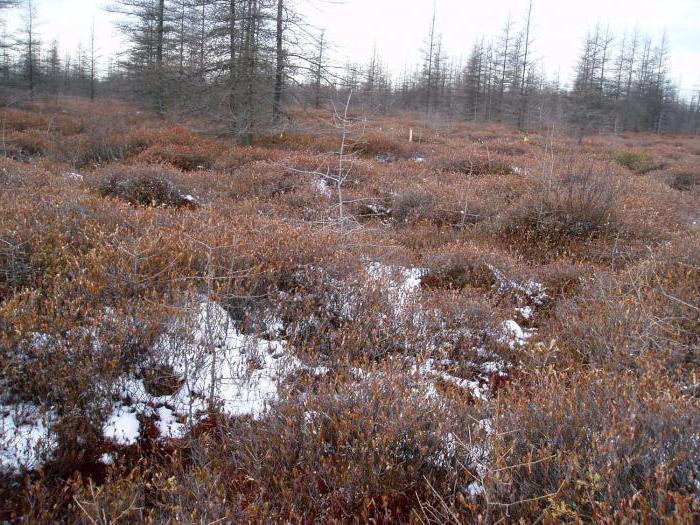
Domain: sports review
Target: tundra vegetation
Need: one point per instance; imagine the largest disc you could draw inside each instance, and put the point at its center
(240, 286)
(492, 330)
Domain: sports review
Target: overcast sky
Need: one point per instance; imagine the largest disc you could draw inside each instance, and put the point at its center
(399, 27)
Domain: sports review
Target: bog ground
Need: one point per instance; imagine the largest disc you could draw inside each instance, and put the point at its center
(478, 325)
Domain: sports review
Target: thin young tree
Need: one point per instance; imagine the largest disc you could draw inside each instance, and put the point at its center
(93, 61)
(279, 61)
(429, 63)
(29, 41)
(522, 113)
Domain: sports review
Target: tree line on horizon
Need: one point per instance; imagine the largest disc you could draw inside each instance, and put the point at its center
(241, 62)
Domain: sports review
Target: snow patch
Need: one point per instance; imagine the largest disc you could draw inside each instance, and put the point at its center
(25, 438)
(219, 367)
(514, 335)
(525, 312)
(122, 426)
(322, 186)
(531, 291)
(168, 424)
(401, 284)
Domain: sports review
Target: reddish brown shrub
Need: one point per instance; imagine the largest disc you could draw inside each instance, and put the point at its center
(235, 158)
(412, 206)
(371, 450)
(477, 166)
(458, 272)
(186, 158)
(30, 142)
(685, 181)
(575, 454)
(579, 202)
(144, 186)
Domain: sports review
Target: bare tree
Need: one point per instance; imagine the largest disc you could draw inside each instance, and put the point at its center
(318, 69)
(429, 63)
(30, 44)
(93, 61)
(279, 61)
(522, 114)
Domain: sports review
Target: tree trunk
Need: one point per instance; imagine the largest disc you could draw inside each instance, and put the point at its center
(279, 71)
(159, 33)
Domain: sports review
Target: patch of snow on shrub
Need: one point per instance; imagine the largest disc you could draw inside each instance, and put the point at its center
(168, 424)
(401, 284)
(122, 426)
(530, 291)
(525, 312)
(322, 186)
(218, 366)
(25, 438)
(514, 335)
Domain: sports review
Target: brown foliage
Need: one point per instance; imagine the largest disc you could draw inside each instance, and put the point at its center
(592, 416)
(146, 186)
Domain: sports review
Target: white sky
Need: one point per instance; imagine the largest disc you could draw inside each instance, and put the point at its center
(399, 27)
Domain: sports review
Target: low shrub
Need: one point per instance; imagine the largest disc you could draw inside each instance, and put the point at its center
(458, 272)
(238, 157)
(373, 209)
(412, 206)
(581, 202)
(21, 120)
(595, 446)
(31, 142)
(477, 166)
(382, 147)
(374, 450)
(45, 119)
(262, 180)
(325, 142)
(561, 280)
(15, 268)
(183, 157)
(143, 186)
(638, 162)
(685, 181)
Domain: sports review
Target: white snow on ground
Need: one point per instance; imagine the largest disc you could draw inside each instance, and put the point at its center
(25, 439)
(122, 427)
(73, 176)
(400, 283)
(322, 186)
(475, 489)
(525, 312)
(242, 372)
(219, 366)
(514, 335)
(530, 291)
(168, 425)
(431, 369)
(239, 374)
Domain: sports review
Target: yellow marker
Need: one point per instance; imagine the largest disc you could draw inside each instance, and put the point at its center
(525, 139)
